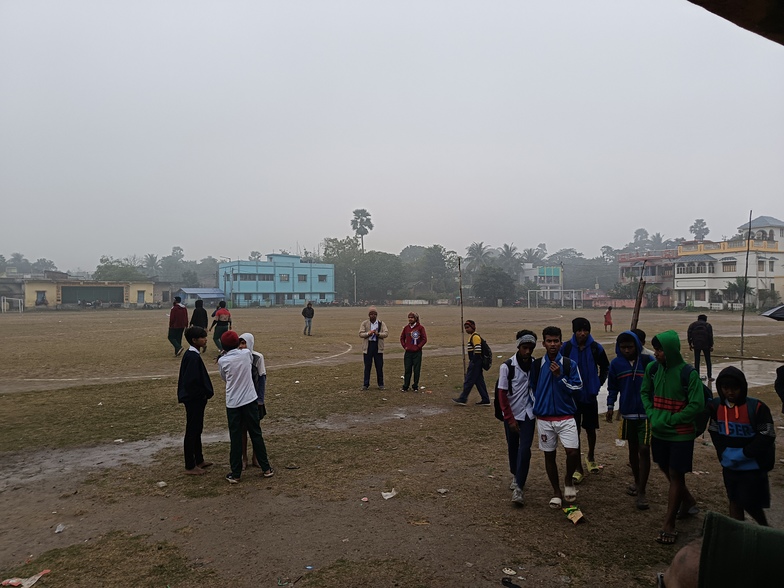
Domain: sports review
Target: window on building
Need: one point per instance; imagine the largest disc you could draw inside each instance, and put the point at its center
(283, 277)
(266, 277)
(700, 268)
(699, 295)
(302, 297)
(265, 296)
(761, 266)
(248, 296)
(728, 266)
(781, 232)
(247, 277)
(302, 277)
(711, 268)
(680, 268)
(322, 296)
(322, 278)
(289, 296)
(234, 277)
(771, 267)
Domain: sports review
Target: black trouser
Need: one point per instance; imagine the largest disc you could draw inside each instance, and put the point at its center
(372, 355)
(175, 338)
(475, 377)
(247, 416)
(708, 366)
(194, 423)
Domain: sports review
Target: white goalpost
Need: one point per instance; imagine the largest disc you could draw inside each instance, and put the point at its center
(8, 304)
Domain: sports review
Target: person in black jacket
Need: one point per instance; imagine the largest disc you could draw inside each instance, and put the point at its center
(308, 313)
(700, 336)
(194, 388)
(199, 318)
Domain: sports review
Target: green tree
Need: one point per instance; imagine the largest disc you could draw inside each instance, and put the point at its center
(733, 291)
(21, 263)
(768, 298)
(641, 237)
(190, 279)
(510, 259)
(624, 291)
(435, 267)
(207, 270)
(42, 265)
(534, 256)
(699, 229)
(254, 256)
(172, 266)
(344, 254)
(379, 274)
(3, 263)
(361, 225)
(151, 264)
(478, 255)
(111, 269)
(492, 283)
(412, 253)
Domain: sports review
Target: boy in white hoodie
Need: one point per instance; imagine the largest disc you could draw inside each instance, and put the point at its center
(259, 375)
(241, 405)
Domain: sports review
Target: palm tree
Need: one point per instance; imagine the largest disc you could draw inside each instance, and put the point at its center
(362, 225)
(534, 256)
(478, 255)
(509, 259)
(734, 290)
(151, 264)
(656, 242)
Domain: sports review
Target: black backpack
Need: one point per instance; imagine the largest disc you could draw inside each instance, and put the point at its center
(487, 355)
(702, 418)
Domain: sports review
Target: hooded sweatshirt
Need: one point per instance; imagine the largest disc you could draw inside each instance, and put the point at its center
(671, 409)
(742, 442)
(625, 378)
(554, 397)
(594, 375)
(178, 316)
(258, 368)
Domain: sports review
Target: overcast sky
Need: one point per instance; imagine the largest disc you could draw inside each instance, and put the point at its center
(225, 127)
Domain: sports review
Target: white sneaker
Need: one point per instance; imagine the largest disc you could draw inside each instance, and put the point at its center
(512, 484)
(517, 496)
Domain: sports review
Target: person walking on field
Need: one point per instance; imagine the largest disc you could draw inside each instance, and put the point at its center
(221, 322)
(373, 332)
(308, 313)
(178, 322)
(474, 375)
(413, 339)
(700, 336)
(608, 319)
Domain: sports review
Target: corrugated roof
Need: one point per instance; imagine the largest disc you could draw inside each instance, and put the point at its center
(695, 258)
(762, 221)
(202, 291)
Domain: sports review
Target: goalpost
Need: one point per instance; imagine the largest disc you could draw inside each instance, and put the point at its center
(8, 304)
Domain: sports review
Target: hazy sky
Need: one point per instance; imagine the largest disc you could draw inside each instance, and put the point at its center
(225, 127)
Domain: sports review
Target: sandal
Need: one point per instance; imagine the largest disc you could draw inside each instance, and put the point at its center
(642, 504)
(593, 467)
(570, 494)
(269, 473)
(555, 502)
(577, 477)
(666, 538)
(631, 490)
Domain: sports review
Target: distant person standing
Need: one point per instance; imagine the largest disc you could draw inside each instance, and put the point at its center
(199, 318)
(178, 322)
(700, 336)
(373, 332)
(608, 319)
(221, 323)
(308, 313)
(413, 339)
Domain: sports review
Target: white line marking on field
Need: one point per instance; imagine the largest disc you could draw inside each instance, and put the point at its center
(317, 360)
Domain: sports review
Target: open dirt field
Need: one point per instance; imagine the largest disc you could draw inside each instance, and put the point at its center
(89, 425)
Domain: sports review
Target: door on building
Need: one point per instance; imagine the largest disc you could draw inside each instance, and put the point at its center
(280, 299)
(139, 296)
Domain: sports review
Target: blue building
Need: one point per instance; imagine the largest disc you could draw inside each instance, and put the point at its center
(281, 280)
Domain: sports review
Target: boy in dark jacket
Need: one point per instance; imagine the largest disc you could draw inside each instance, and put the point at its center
(625, 379)
(700, 337)
(194, 388)
(743, 434)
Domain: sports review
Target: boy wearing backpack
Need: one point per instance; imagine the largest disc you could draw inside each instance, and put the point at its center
(672, 410)
(592, 361)
(743, 434)
(515, 397)
(474, 375)
(625, 379)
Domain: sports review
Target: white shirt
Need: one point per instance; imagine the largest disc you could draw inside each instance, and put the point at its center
(374, 327)
(521, 397)
(235, 369)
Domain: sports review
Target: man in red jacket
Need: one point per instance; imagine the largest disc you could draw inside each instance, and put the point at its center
(178, 322)
(413, 339)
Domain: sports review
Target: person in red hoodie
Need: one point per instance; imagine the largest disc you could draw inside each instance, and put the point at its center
(413, 339)
(178, 322)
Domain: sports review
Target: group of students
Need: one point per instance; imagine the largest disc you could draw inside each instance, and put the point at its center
(178, 322)
(661, 400)
(245, 374)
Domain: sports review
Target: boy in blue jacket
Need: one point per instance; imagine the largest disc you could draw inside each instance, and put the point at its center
(743, 434)
(556, 381)
(624, 378)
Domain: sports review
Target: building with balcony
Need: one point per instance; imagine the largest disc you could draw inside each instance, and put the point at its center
(703, 269)
(281, 280)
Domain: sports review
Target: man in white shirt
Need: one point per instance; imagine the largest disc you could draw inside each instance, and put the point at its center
(242, 409)
(515, 396)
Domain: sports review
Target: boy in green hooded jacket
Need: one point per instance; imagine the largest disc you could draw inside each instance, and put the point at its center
(671, 411)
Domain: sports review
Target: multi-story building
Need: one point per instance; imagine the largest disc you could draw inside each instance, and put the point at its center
(282, 280)
(703, 269)
(657, 268)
